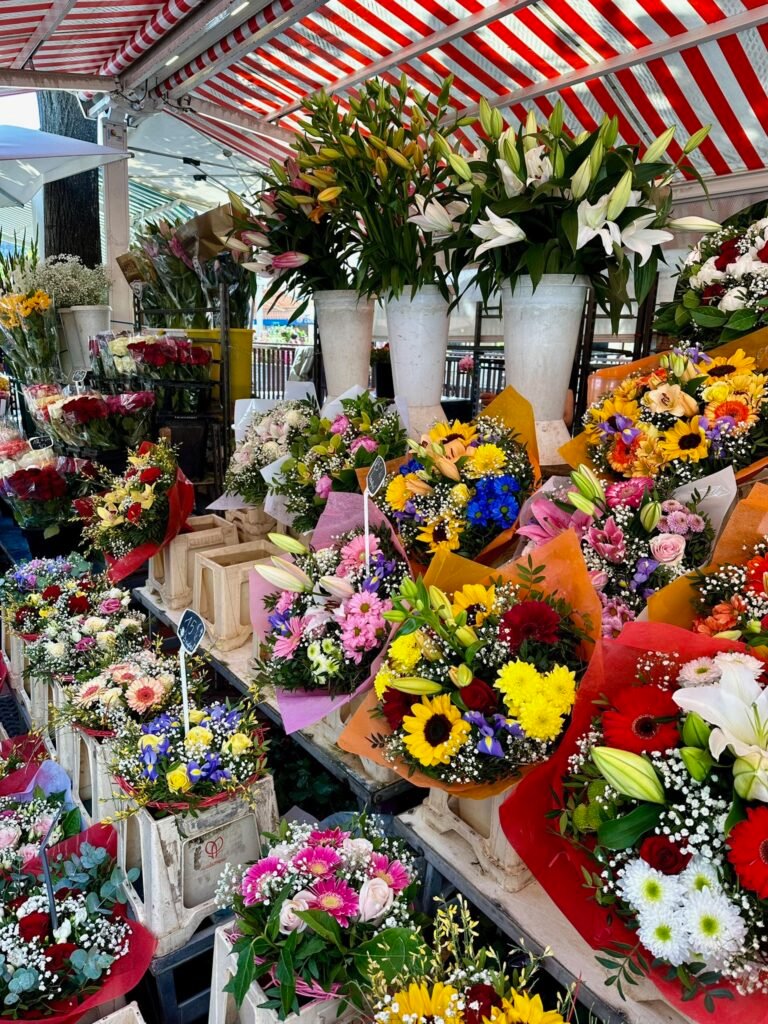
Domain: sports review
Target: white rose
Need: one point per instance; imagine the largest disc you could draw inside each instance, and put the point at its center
(7, 467)
(376, 897)
(288, 920)
(94, 624)
(707, 274)
(112, 696)
(105, 639)
(357, 847)
(745, 264)
(271, 451)
(55, 649)
(733, 300)
(119, 346)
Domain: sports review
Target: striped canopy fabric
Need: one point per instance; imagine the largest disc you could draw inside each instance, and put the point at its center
(651, 63)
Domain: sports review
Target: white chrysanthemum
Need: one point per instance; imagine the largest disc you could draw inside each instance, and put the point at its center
(646, 888)
(699, 875)
(663, 935)
(739, 658)
(715, 926)
(698, 672)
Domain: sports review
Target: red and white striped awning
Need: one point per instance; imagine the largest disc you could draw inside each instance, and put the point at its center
(651, 63)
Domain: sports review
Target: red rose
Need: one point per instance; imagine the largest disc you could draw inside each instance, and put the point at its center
(712, 293)
(77, 605)
(480, 999)
(763, 254)
(529, 620)
(133, 515)
(479, 696)
(199, 356)
(395, 705)
(34, 926)
(22, 613)
(729, 253)
(84, 409)
(150, 475)
(644, 719)
(52, 593)
(130, 474)
(661, 853)
(58, 953)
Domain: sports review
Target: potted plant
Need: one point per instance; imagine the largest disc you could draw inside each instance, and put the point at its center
(81, 296)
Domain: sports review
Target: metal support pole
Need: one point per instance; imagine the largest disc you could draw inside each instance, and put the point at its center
(117, 221)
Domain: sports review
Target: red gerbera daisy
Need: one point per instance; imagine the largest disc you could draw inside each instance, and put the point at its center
(748, 851)
(644, 719)
(529, 620)
(757, 574)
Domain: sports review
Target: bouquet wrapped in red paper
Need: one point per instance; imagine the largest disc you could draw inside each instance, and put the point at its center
(20, 757)
(656, 798)
(141, 512)
(40, 496)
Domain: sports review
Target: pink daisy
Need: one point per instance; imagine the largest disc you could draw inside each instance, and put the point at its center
(336, 898)
(353, 554)
(319, 861)
(392, 872)
(254, 877)
(327, 837)
(366, 603)
(143, 694)
(285, 646)
(89, 693)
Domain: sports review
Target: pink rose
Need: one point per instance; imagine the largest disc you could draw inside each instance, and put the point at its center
(43, 825)
(110, 606)
(28, 852)
(668, 548)
(367, 443)
(289, 922)
(599, 578)
(375, 899)
(628, 492)
(339, 425)
(9, 836)
(323, 487)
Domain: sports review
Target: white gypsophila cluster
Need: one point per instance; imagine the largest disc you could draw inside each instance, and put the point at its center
(468, 764)
(68, 281)
(584, 747)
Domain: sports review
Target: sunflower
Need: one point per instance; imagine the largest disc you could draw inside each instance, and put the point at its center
(613, 406)
(686, 441)
(444, 433)
(485, 460)
(476, 600)
(443, 534)
(435, 731)
(524, 1009)
(727, 366)
(422, 1004)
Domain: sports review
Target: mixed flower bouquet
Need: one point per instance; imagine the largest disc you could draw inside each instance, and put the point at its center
(30, 591)
(59, 969)
(459, 983)
(320, 908)
(41, 496)
(270, 436)
(679, 417)
(141, 512)
(92, 420)
(478, 685)
(37, 398)
(323, 630)
(159, 766)
(28, 333)
(463, 486)
(29, 818)
(659, 789)
(344, 438)
(722, 290)
(632, 541)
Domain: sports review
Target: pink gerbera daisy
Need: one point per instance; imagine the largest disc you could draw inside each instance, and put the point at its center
(89, 693)
(353, 554)
(143, 694)
(320, 861)
(255, 876)
(327, 837)
(285, 646)
(336, 898)
(123, 673)
(392, 872)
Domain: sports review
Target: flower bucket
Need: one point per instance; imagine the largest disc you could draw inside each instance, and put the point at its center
(346, 327)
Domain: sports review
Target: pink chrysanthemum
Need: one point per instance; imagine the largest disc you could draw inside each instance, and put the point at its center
(327, 837)
(285, 646)
(254, 877)
(353, 554)
(366, 603)
(392, 872)
(336, 898)
(320, 861)
(284, 602)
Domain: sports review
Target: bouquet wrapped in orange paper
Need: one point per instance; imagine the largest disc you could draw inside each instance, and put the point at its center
(462, 487)
(478, 683)
(681, 415)
(729, 597)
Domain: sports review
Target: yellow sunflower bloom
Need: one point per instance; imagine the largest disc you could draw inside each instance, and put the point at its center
(750, 386)
(423, 1004)
(444, 534)
(524, 1009)
(435, 731)
(728, 366)
(485, 460)
(540, 719)
(476, 600)
(444, 433)
(686, 441)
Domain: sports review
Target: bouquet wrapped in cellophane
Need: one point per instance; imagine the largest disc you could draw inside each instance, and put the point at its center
(41, 496)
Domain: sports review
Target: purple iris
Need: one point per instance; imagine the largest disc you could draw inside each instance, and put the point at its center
(695, 354)
(620, 425)
(509, 725)
(279, 622)
(643, 571)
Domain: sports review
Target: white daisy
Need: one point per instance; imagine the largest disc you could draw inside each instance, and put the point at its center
(739, 658)
(715, 927)
(698, 672)
(699, 875)
(662, 934)
(646, 888)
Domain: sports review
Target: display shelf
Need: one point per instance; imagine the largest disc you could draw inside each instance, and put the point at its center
(235, 668)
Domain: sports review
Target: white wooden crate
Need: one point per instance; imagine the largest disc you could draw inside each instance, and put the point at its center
(252, 523)
(171, 570)
(181, 857)
(128, 1014)
(224, 1009)
(88, 760)
(17, 665)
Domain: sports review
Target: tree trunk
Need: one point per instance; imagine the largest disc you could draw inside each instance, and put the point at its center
(71, 204)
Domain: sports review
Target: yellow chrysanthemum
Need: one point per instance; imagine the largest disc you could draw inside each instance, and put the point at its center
(750, 386)
(561, 688)
(518, 682)
(382, 681)
(686, 441)
(648, 458)
(540, 720)
(444, 433)
(443, 534)
(423, 1004)
(476, 600)
(405, 651)
(727, 366)
(435, 731)
(485, 460)
(523, 1009)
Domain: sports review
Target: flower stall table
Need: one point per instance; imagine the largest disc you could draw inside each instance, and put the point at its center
(235, 667)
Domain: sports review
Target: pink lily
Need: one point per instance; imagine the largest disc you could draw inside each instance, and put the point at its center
(289, 260)
(548, 520)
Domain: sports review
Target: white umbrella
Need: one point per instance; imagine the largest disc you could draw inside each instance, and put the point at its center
(29, 159)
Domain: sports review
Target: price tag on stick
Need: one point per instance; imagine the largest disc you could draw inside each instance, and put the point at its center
(377, 474)
(43, 853)
(39, 441)
(190, 632)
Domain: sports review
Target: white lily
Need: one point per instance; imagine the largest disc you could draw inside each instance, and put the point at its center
(538, 167)
(496, 231)
(593, 223)
(279, 578)
(513, 186)
(436, 218)
(336, 586)
(641, 239)
(700, 224)
(737, 706)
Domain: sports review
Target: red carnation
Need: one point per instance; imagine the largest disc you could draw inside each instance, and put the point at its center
(480, 999)
(395, 705)
(77, 605)
(34, 926)
(150, 475)
(479, 696)
(529, 620)
(644, 719)
(748, 851)
(52, 593)
(661, 853)
(58, 953)
(133, 515)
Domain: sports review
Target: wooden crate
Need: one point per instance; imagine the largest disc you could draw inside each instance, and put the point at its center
(221, 590)
(171, 570)
(127, 1014)
(91, 778)
(252, 523)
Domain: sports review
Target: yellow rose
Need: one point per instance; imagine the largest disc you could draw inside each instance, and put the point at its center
(198, 737)
(150, 740)
(460, 494)
(196, 715)
(178, 780)
(238, 743)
